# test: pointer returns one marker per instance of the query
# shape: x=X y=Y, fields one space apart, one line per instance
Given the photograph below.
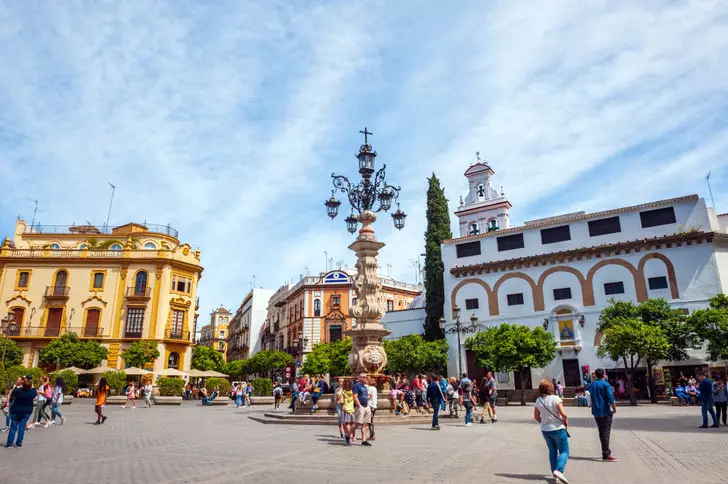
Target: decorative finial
x=477 y=156
x=366 y=134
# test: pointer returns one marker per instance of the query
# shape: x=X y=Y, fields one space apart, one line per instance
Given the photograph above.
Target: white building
x=561 y=271
x=245 y=327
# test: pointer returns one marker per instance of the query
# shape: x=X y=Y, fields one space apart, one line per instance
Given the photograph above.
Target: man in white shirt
x=373 y=406
x=148 y=394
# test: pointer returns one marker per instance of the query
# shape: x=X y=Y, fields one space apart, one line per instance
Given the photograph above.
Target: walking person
x=21 y=406
x=339 y=410
x=443 y=389
x=6 y=407
x=130 y=395
x=57 y=401
x=372 y=407
x=549 y=412
x=277 y=395
x=706 y=401
x=347 y=411
x=239 y=395
x=453 y=397
x=603 y=409
x=466 y=399
x=102 y=390
x=41 y=403
x=720 y=398
x=436 y=399
x=362 y=412
x=294 y=396
x=148 y=388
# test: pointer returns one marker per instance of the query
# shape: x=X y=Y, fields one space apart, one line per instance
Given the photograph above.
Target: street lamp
x=369 y=195
x=8 y=326
x=458 y=327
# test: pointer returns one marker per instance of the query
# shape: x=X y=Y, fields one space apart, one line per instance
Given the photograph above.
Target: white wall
x=258 y=307
x=404 y=322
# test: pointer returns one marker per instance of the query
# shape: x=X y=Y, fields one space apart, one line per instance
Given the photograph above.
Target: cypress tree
x=438 y=230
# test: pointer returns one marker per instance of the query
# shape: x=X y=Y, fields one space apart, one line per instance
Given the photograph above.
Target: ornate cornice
x=19 y=297
x=93 y=298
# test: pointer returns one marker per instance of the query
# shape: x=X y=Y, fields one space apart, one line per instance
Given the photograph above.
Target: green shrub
x=13 y=372
x=69 y=378
x=262 y=387
x=170 y=387
x=220 y=384
x=116 y=380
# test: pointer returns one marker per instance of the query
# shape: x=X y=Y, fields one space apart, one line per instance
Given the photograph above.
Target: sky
x=225 y=119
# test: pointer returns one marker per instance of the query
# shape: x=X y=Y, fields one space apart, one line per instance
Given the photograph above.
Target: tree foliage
x=262 y=387
x=140 y=354
x=69 y=378
x=332 y=358
x=510 y=347
x=266 y=361
x=237 y=369
x=69 y=350
x=221 y=385
x=170 y=386
x=13 y=372
x=412 y=354
x=205 y=358
x=116 y=380
x=712 y=326
x=438 y=230
x=13 y=353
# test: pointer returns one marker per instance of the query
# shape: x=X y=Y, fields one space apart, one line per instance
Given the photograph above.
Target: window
x=657 y=282
x=335 y=333
x=150 y=246
x=140 y=283
x=173 y=360
x=181 y=284
x=134 y=322
x=556 y=234
x=468 y=249
x=613 y=288
x=471 y=303
x=23 y=280
x=390 y=305
x=510 y=242
x=222 y=334
x=56 y=246
x=83 y=246
x=604 y=226
x=98 y=281
x=515 y=299
x=116 y=246
x=221 y=345
x=660 y=216
x=473 y=230
x=91 y=328
x=562 y=293
x=354 y=301
x=336 y=300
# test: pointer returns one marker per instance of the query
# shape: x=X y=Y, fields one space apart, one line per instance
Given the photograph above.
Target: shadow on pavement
x=661 y=424
x=526 y=477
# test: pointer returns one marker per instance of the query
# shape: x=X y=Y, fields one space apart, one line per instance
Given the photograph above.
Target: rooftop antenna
x=389 y=270
x=35 y=211
x=327 y=261
x=108 y=215
x=712 y=200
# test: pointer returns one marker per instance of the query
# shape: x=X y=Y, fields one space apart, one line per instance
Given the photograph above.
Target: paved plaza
x=191 y=444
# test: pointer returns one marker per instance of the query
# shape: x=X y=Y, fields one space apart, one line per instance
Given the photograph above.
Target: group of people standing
x=26 y=406
x=356 y=404
x=240 y=392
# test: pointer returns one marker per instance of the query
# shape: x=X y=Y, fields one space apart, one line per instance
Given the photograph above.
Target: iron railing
x=138 y=292
x=132 y=334
x=176 y=334
x=87 y=332
x=57 y=291
x=93 y=230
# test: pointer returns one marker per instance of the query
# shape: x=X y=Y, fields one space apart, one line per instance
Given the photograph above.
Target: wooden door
x=572 y=378
x=53 y=326
x=92 y=323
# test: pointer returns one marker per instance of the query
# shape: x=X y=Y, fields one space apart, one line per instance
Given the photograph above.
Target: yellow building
x=215 y=334
x=117 y=285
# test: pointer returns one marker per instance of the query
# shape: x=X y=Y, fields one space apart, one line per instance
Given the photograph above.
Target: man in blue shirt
x=362 y=412
x=435 y=397
x=706 y=401
x=603 y=409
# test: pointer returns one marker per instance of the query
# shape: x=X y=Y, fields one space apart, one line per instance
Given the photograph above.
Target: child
x=580 y=397
x=277 y=394
x=347 y=411
x=130 y=396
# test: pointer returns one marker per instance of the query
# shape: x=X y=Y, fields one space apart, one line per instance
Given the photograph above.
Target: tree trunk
x=523 y=388
x=629 y=369
x=651 y=381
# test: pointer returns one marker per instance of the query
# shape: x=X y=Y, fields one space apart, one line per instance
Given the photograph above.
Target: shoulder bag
x=555 y=416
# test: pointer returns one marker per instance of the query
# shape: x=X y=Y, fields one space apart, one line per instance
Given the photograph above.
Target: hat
x=28 y=377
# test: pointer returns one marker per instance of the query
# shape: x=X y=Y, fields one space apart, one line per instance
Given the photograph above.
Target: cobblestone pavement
x=191 y=444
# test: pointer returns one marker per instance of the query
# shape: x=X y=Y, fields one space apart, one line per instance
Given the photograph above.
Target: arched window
x=55 y=246
x=173 y=361
x=140 y=283
x=150 y=246
x=83 y=246
x=317 y=307
x=59 y=286
x=116 y=246
x=91 y=329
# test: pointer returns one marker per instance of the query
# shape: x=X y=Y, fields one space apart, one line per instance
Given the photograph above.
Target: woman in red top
x=419 y=392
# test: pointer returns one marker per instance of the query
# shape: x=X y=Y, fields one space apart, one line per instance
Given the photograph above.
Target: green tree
x=221 y=385
x=13 y=354
x=170 y=387
x=116 y=380
x=69 y=350
x=438 y=230
x=412 y=354
x=140 y=354
x=69 y=378
x=205 y=358
x=332 y=358
x=659 y=314
x=711 y=325
x=629 y=340
x=511 y=347
x=237 y=369
x=267 y=361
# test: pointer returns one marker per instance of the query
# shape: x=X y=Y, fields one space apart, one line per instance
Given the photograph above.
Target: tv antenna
x=35 y=211
x=108 y=215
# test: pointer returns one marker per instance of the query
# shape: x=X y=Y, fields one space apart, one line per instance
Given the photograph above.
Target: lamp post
x=458 y=327
x=370 y=195
x=8 y=326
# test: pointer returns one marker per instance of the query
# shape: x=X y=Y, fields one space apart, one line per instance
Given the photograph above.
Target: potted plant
x=170 y=391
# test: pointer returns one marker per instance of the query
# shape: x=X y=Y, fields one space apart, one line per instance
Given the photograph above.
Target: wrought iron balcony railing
x=175 y=334
x=57 y=291
x=138 y=292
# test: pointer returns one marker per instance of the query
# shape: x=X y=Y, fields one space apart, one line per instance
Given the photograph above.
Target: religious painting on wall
x=566 y=333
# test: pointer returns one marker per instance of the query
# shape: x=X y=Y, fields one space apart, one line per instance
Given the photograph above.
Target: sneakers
x=46 y=425
x=703 y=427
x=437 y=427
x=366 y=443
x=495 y=419
x=63 y=420
x=348 y=440
x=611 y=458
x=4 y=429
x=482 y=420
x=468 y=425
x=103 y=419
x=715 y=426
x=53 y=422
x=123 y=406
x=560 y=477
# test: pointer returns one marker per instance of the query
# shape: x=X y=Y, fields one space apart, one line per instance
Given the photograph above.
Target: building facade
x=215 y=334
x=560 y=272
x=317 y=308
x=117 y=285
x=246 y=324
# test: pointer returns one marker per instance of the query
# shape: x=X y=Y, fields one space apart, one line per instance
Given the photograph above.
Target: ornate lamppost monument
x=371 y=195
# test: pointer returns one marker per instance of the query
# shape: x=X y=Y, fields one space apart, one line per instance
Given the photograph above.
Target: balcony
x=132 y=334
x=138 y=294
x=88 y=332
x=57 y=293
x=177 y=335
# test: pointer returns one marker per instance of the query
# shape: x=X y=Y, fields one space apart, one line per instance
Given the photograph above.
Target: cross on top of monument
x=366 y=134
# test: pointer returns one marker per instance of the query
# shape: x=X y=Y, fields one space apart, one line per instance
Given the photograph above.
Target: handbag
x=556 y=417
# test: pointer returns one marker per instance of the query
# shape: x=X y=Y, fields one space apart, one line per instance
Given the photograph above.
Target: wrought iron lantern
x=351 y=223
x=545 y=323
x=398 y=218
x=332 y=206
x=582 y=321
x=474 y=321
x=385 y=199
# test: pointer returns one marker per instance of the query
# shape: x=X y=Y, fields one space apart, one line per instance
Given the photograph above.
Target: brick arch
x=639 y=282
x=491 y=295
x=587 y=293
x=670 y=271
x=537 y=295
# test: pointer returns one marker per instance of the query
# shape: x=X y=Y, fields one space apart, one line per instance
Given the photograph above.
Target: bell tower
x=484 y=209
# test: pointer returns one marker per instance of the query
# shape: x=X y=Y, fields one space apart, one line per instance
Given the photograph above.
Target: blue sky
x=225 y=119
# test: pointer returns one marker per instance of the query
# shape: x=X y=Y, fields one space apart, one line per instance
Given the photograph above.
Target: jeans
x=17 y=425
x=39 y=412
x=371 y=423
x=148 y=400
x=558 y=444
x=468 y=412
x=604 y=424
x=56 y=410
x=435 y=415
x=680 y=397
x=706 y=406
x=720 y=408
x=204 y=401
x=581 y=401
x=238 y=400
x=294 y=396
